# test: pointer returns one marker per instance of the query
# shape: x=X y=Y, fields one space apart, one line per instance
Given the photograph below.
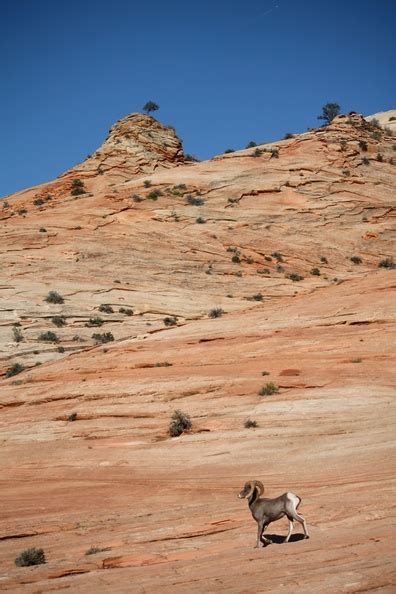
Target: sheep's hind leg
x=290 y=530
x=292 y=514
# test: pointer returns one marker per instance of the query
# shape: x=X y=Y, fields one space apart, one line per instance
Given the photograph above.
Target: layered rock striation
x=191 y=288
x=136 y=144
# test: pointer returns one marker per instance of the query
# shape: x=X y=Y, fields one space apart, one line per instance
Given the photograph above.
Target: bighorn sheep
x=265 y=511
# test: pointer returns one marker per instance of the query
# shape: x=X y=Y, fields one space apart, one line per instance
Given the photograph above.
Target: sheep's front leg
x=264 y=540
x=260 y=530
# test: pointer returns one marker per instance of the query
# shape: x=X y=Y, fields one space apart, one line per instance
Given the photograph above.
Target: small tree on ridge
x=329 y=112
x=150 y=106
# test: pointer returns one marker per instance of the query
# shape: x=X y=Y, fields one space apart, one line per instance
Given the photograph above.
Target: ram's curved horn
x=252 y=486
x=260 y=486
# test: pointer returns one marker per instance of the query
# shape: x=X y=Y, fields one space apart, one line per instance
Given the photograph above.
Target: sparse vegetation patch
x=106 y=308
x=54 y=297
x=59 y=321
x=96 y=321
x=48 y=336
x=356 y=259
x=170 y=321
x=103 y=338
x=216 y=312
x=387 y=263
x=29 y=557
x=17 y=332
x=194 y=200
x=180 y=422
x=250 y=424
x=269 y=389
x=14 y=370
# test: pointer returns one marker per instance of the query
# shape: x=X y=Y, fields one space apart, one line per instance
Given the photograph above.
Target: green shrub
x=78 y=187
x=94 y=550
x=72 y=417
x=194 y=200
x=269 y=389
x=154 y=195
x=150 y=106
x=323 y=259
x=38 y=201
x=277 y=256
x=387 y=263
x=137 y=198
x=365 y=161
x=43 y=230
x=170 y=321
x=356 y=259
x=216 y=312
x=106 y=308
x=126 y=311
x=315 y=272
x=329 y=112
x=249 y=424
x=251 y=144
x=274 y=153
x=200 y=221
x=6 y=204
x=14 y=370
x=54 y=297
x=59 y=321
x=229 y=150
x=263 y=271
x=29 y=557
x=48 y=336
x=60 y=349
x=257 y=297
x=279 y=268
x=363 y=145
x=380 y=157
x=103 y=338
x=236 y=259
x=96 y=321
x=288 y=135
x=295 y=277
x=147 y=183
x=17 y=332
x=179 y=423
x=257 y=153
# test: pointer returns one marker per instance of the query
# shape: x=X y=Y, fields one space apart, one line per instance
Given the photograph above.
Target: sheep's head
x=249 y=487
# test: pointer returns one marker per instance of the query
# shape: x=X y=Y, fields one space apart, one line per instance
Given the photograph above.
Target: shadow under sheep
x=278 y=539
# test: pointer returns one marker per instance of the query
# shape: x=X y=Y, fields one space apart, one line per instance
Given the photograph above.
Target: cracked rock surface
x=287 y=250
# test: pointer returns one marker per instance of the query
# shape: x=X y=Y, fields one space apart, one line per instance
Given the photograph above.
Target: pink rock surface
x=163 y=511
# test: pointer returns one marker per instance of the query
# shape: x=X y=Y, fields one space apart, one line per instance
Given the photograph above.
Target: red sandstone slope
x=164 y=510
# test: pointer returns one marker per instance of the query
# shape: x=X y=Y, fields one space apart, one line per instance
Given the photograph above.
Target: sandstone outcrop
x=136 y=144
x=212 y=279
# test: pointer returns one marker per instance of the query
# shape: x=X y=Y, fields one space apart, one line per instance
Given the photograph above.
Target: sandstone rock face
x=295 y=247
x=386 y=119
x=135 y=144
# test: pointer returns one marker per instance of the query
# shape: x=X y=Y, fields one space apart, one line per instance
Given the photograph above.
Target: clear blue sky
x=224 y=72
